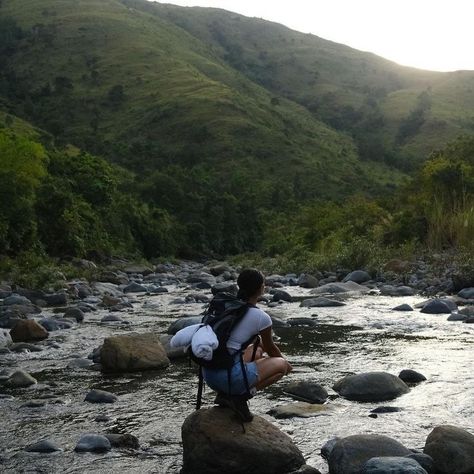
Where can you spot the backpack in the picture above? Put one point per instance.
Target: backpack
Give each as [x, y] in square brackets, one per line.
[224, 313]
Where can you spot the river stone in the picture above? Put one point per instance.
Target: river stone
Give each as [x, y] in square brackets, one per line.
[100, 396]
[298, 409]
[457, 317]
[468, 311]
[226, 287]
[328, 447]
[310, 392]
[307, 281]
[5, 291]
[172, 352]
[105, 288]
[351, 453]
[24, 347]
[16, 300]
[320, 302]
[469, 320]
[135, 288]
[138, 269]
[55, 299]
[452, 450]
[43, 446]
[358, 276]
[425, 461]
[371, 387]
[111, 318]
[5, 339]
[219, 269]
[403, 307]
[28, 330]
[411, 376]
[340, 287]
[390, 290]
[134, 352]
[214, 442]
[182, 323]
[467, 293]
[123, 440]
[280, 295]
[54, 324]
[74, 313]
[385, 410]
[438, 306]
[20, 379]
[392, 465]
[93, 443]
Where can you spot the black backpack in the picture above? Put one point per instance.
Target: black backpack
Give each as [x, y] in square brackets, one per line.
[224, 313]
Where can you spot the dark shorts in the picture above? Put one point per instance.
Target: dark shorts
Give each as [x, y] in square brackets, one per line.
[218, 380]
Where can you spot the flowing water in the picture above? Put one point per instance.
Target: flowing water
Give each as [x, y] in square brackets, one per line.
[362, 336]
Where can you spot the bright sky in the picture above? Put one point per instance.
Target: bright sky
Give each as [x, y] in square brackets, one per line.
[427, 34]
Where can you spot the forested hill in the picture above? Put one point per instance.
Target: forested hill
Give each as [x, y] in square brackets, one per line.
[213, 124]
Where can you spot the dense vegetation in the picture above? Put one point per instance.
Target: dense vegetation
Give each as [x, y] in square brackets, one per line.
[152, 130]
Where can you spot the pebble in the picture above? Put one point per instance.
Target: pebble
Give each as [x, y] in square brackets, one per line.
[43, 446]
[100, 396]
[93, 443]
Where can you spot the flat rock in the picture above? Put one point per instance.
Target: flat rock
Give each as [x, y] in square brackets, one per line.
[392, 465]
[79, 363]
[340, 287]
[214, 443]
[298, 409]
[28, 330]
[21, 379]
[43, 446]
[371, 387]
[452, 450]
[25, 347]
[467, 293]
[133, 352]
[320, 302]
[54, 324]
[135, 288]
[380, 410]
[100, 396]
[307, 391]
[351, 453]
[93, 443]
[411, 376]
[390, 290]
[403, 307]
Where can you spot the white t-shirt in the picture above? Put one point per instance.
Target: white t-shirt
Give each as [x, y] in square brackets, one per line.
[254, 321]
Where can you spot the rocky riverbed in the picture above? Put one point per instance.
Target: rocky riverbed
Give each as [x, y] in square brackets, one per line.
[327, 334]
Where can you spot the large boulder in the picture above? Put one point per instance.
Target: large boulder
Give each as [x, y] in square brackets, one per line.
[28, 330]
[307, 281]
[358, 276]
[371, 387]
[340, 287]
[133, 352]
[439, 306]
[320, 302]
[452, 450]
[214, 442]
[307, 391]
[467, 293]
[349, 454]
[392, 465]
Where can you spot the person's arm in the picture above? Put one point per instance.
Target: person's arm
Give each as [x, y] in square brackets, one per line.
[267, 342]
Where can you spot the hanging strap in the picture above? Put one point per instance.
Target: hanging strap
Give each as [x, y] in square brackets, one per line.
[200, 389]
[255, 347]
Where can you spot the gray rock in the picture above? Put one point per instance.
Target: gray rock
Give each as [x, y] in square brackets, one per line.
[351, 453]
[227, 287]
[425, 461]
[5, 291]
[100, 396]
[452, 450]
[54, 324]
[20, 379]
[56, 299]
[467, 293]
[468, 311]
[135, 288]
[16, 300]
[43, 446]
[102, 418]
[392, 465]
[403, 307]
[358, 276]
[439, 306]
[371, 387]
[328, 447]
[307, 391]
[172, 352]
[93, 443]
[105, 288]
[280, 295]
[123, 440]
[219, 269]
[320, 302]
[340, 287]
[307, 281]
[183, 323]
[299, 410]
[5, 339]
[28, 331]
[469, 320]
[390, 290]
[263, 448]
[111, 318]
[74, 313]
[137, 269]
[411, 376]
[379, 410]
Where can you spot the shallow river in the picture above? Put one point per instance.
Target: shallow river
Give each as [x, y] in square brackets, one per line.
[365, 335]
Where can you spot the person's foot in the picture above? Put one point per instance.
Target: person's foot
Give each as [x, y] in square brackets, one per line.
[241, 408]
[222, 400]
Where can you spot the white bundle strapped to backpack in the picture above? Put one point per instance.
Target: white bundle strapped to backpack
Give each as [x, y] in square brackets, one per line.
[200, 337]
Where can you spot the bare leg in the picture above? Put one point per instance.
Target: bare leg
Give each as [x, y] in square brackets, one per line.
[270, 370]
[249, 352]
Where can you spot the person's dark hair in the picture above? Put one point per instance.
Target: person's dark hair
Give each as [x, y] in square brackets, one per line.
[250, 280]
